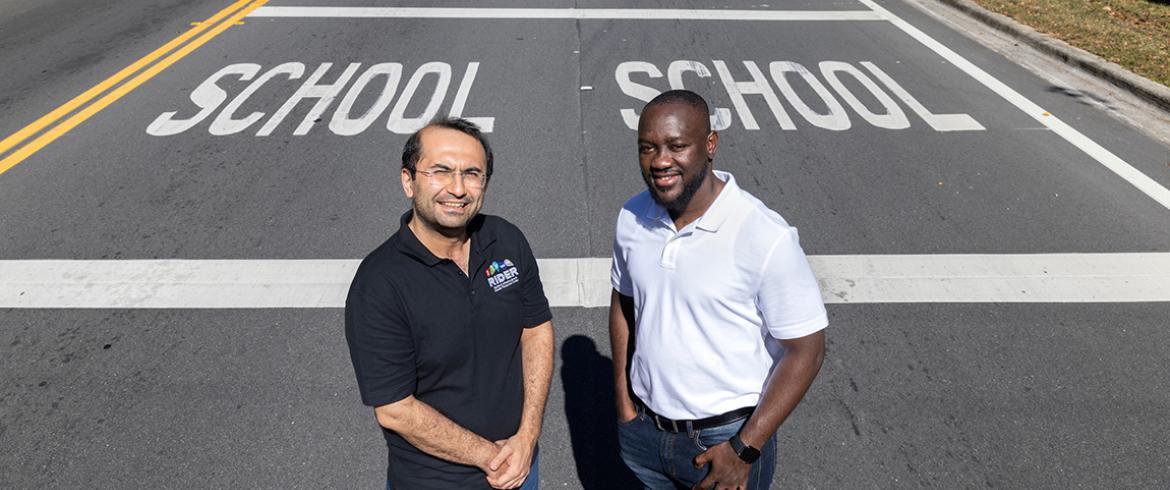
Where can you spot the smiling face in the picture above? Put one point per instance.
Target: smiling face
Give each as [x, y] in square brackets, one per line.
[675, 149]
[446, 207]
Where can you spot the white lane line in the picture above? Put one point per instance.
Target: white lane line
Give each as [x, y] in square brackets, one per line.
[563, 13]
[1144, 183]
[584, 282]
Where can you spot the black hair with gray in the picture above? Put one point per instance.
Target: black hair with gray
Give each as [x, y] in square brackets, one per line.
[412, 152]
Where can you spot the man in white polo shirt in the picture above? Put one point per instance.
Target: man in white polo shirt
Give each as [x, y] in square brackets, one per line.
[716, 321]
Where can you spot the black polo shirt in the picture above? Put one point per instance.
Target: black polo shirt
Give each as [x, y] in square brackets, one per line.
[416, 325]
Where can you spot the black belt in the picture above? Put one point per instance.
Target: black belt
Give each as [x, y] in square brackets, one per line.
[676, 426]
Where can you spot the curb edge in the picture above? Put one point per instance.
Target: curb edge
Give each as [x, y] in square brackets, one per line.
[1113, 73]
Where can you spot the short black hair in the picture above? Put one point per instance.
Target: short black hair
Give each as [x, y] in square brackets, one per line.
[683, 97]
[413, 149]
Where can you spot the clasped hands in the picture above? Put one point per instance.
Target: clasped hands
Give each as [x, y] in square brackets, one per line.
[511, 463]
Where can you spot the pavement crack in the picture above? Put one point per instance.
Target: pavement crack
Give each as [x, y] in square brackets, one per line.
[852, 417]
[584, 146]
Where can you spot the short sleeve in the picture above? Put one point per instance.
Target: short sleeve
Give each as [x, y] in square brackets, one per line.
[380, 346]
[533, 303]
[618, 276]
[789, 296]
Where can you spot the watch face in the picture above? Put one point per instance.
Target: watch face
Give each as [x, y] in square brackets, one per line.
[745, 452]
[749, 454]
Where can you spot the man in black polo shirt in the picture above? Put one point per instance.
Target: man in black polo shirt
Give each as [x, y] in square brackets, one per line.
[448, 327]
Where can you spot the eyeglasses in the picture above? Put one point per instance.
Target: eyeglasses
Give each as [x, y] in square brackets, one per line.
[443, 177]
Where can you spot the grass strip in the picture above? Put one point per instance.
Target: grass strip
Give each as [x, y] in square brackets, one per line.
[1132, 33]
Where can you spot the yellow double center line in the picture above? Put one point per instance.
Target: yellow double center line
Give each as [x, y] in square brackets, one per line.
[201, 33]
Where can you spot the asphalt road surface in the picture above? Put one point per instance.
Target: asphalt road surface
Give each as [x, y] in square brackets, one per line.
[273, 132]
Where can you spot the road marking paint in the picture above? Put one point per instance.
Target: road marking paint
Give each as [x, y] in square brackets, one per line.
[1135, 177]
[1025, 278]
[584, 282]
[565, 13]
[1112, 162]
[116, 78]
[233, 13]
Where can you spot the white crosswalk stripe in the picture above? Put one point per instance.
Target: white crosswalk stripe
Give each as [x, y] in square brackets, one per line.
[584, 282]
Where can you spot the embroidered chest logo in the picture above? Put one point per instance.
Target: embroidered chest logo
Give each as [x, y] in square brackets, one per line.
[502, 274]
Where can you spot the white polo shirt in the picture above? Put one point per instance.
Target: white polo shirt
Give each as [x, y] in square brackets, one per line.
[711, 300]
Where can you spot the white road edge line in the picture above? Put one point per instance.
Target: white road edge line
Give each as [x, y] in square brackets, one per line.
[564, 13]
[584, 282]
[1143, 182]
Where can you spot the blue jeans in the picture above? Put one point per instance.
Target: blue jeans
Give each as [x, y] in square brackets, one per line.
[664, 461]
[532, 482]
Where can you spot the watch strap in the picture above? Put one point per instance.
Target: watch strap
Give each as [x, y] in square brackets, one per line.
[745, 452]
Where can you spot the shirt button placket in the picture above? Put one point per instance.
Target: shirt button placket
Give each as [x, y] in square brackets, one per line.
[670, 252]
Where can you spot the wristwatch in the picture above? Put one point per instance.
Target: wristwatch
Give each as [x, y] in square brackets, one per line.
[745, 452]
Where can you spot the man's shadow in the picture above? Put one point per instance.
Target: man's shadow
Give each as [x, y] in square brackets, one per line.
[587, 380]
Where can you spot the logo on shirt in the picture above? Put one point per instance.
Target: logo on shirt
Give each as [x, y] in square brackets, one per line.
[502, 274]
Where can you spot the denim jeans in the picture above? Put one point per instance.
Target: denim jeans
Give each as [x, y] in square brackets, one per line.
[532, 482]
[664, 461]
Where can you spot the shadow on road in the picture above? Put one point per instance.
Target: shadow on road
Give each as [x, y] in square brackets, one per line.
[587, 379]
[1087, 98]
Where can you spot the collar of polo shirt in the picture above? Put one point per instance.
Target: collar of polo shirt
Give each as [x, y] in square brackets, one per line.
[481, 239]
[717, 213]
